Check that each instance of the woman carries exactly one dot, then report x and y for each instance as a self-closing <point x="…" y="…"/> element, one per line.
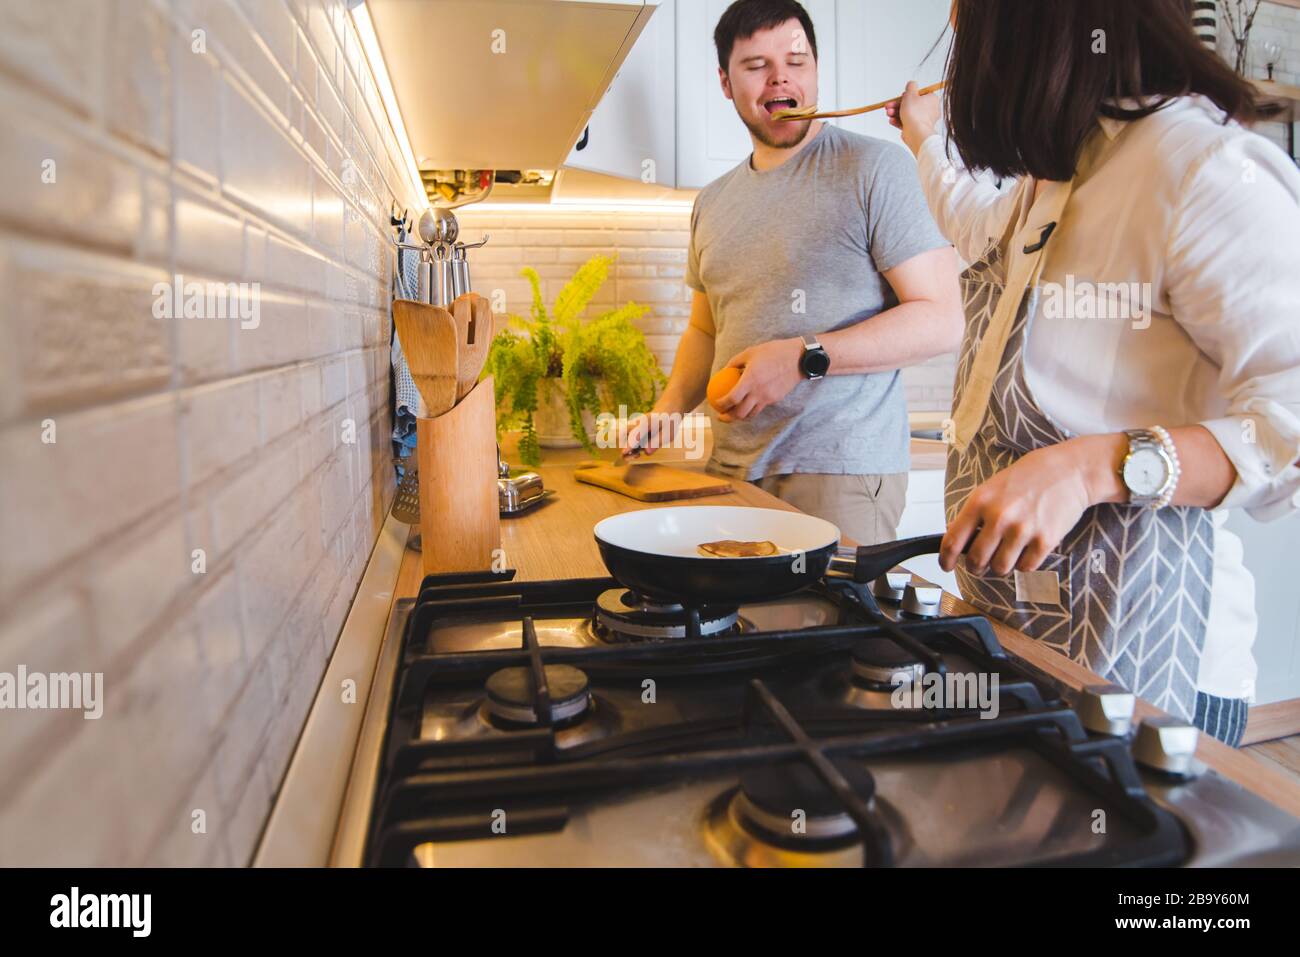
<point x="1131" y="363"/>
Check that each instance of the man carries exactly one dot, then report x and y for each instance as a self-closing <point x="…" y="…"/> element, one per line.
<point x="818" y="271"/>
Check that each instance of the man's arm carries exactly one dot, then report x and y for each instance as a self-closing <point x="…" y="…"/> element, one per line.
<point x="694" y="359"/>
<point x="928" y="321"/>
<point x="690" y="376"/>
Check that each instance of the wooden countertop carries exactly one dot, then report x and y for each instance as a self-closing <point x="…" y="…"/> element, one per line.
<point x="554" y="540"/>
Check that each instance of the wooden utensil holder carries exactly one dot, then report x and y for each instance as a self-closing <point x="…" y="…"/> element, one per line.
<point x="460" y="517"/>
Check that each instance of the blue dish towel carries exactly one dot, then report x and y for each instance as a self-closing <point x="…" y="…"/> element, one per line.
<point x="407" y="404"/>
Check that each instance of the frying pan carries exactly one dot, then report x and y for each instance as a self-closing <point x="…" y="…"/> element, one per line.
<point x="654" y="552"/>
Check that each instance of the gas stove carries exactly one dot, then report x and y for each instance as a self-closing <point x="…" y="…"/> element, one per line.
<point x="572" y="723"/>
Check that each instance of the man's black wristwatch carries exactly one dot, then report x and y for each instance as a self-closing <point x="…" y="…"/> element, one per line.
<point x="814" y="363"/>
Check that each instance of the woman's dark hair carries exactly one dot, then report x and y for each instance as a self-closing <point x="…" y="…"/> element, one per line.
<point x="1026" y="79"/>
<point x="744" y="18"/>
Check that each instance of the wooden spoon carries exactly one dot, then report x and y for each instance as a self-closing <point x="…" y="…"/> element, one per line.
<point x="428" y="337"/>
<point x="474" y="328"/>
<point x="810" y="112"/>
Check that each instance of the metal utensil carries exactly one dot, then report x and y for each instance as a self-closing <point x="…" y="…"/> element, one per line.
<point x="811" y="113"/>
<point x="438" y="225"/>
<point x="460" y="281"/>
<point x="404" y="291"/>
<point x="517" y="493"/>
<point x="406" y="505"/>
<point x="436" y="286"/>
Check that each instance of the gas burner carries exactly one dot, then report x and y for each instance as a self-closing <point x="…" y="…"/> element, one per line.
<point x="883" y="663"/>
<point x="510" y="695"/>
<point x="786" y="816"/>
<point x="623" y="615"/>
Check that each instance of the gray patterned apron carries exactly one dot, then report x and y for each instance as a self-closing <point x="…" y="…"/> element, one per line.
<point x="1133" y="584"/>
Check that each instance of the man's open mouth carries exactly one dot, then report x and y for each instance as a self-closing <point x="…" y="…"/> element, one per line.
<point x="780" y="103"/>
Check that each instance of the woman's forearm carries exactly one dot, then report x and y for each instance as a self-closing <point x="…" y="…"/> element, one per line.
<point x="1207" y="472"/>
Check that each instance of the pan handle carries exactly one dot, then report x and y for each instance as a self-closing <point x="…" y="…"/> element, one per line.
<point x="868" y="562"/>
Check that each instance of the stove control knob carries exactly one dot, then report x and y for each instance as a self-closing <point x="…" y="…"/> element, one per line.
<point x="1107" y="709"/>
<point x="922" y="600"/>
<point x="889" y="587"/>
<point x="1168" y="744"/>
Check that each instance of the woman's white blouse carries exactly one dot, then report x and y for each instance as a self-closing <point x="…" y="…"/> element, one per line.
<point x="1200" y="222"/>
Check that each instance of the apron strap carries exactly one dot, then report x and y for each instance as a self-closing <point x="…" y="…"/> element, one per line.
<point x="1024" y="268"/>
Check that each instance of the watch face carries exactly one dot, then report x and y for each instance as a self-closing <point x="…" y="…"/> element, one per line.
<point x="1145" y="472"/>
<point x="816" y="363"/>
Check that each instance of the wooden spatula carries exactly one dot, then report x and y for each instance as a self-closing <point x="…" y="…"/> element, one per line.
<point x="810" y="112"/>
<point x="474" y="327"/>
<point x="429" y="342"/>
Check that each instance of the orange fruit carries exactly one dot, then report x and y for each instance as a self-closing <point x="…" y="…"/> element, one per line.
<point x="723" y="381"/>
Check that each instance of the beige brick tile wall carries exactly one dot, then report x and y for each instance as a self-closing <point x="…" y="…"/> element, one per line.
<point x="261" y="154"/>
<point x="650" y="268"/>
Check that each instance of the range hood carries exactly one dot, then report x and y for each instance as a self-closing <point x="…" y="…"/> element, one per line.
<point x="502" y="84"/>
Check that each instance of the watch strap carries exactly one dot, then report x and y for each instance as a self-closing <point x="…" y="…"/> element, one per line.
<point x="1158" y="440"/>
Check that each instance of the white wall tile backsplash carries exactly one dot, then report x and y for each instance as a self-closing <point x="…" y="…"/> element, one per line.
<point x="231" y="141"/>
<point x="650" y="269"/>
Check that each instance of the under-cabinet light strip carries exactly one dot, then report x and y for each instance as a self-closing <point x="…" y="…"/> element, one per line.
<point x="379" y="70"/>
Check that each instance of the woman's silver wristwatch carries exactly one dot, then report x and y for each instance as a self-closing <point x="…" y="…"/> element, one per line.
<point x="1150" y="470"/>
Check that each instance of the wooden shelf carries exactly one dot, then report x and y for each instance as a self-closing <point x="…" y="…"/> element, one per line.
<point x="1285" y="96"/>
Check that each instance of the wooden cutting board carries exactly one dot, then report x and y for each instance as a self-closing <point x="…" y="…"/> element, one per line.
<point x="650" y="481"/>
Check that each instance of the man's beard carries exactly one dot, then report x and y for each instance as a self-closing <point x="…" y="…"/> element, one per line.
<point x="799" y="130"/>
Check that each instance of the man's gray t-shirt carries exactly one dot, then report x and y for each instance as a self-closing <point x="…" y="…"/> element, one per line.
<point x="800" y="249"/>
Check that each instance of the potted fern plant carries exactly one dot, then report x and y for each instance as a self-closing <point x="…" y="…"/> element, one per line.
<point x="554" y="372"/>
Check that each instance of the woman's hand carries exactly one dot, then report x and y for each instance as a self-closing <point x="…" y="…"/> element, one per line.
<point x="917" y="116"/>
<point x="1018" y="516"/>
<point x="771" y="370"/>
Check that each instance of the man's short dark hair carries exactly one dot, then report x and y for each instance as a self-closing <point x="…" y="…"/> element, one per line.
<point x="744" y="18"/>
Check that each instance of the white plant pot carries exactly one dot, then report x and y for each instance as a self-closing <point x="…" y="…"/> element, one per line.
<point x="552" y="417"/>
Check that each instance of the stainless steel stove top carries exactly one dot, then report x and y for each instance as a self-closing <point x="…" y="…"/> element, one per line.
<point x="772" y="742"/>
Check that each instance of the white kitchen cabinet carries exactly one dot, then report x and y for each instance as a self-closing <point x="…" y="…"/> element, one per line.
<point x="633" y="132"/>
<point x="923" y="515"/>
<point x="880" y="45"/>
<point x="711" y="139"/>
<point x="1269" y="555"/>
<point x="666" y="105"/>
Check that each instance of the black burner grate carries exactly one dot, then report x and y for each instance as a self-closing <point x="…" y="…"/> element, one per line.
<point x="442" y="790"/>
